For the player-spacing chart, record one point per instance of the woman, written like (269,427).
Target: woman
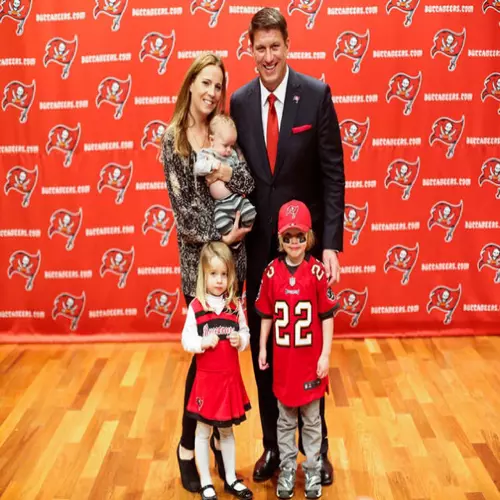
(202,95)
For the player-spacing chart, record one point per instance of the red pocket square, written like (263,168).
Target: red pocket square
(302,128)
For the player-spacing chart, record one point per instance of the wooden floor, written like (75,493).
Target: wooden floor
(408,419)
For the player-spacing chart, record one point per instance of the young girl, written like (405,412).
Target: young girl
(294,294)
(216,330)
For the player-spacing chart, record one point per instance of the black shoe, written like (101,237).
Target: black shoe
(246,494)
(326,470)
(202,492)
(266,466)
(189,473)
(219,462)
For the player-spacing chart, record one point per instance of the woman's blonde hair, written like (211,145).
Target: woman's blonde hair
(222,252)
(180,119)
(310,241)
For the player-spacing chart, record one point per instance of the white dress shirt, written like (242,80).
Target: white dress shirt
(191,341)
(279,104)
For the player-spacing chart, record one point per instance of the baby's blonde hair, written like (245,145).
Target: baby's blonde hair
(222,252)
(310,241)
(218,120)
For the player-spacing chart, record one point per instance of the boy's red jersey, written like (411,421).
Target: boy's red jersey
(297,303)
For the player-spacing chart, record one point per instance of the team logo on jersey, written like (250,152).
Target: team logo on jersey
(406,6)
(450,44)
(402,173)
(69,306)
(65,139)
(354,135)
(448,132)
(113,8)
(492,88)
(490,172)
(20,96)
(491,4)
(114,92)
(117,178)
(490,257)
(159,47)
(308,7)
(354,46)
(447,216)
(26,265)
(244,46)
(160,219)
(402,259)
(23,181)
(352,303)
(446,300)
(61,51)
(405,88)
(66,224)
(17,10)
(117,262)
(162,303)
(355,220)
(212,7)
(153,133)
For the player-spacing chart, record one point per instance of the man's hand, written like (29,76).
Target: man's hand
(221,172)
(332,266)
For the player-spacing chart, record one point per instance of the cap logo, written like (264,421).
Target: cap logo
(292,211)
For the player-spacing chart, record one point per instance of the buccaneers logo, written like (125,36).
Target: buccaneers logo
(69,306)
(353,46)
(244,46)
(490,257)
(354,135)
(117,178)
(446,300)
(492,88)
(159,47)
(405,88)
(447,216)
(353,303)
(118,262)
(112,8)
(162,303)
(212,7)
(65,139)
(115,92)
(66,224)
(448,132)
(403,174)
(308,7)
(19,95)
(355,220)
(17,10)
(61,51)
(23,181)
(403,259)
(490,172)
(26,265)
(406,6)
(160,219)
(153,132)
(491,4)
(450,44)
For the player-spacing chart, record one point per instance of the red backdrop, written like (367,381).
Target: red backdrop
(88,242)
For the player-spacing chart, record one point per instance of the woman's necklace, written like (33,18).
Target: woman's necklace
(194,135)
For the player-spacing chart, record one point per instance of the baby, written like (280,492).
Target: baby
(222,135)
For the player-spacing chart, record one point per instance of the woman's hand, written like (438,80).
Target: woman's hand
(221,172)
(237,233)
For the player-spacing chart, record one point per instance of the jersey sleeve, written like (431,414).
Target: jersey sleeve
(264,302)
(327,304)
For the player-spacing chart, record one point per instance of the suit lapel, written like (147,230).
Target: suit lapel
(291,107)
(255,110)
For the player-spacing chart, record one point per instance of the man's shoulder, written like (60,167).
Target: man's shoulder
(243,91)
(310,83)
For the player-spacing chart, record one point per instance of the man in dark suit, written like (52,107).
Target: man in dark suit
(293,148)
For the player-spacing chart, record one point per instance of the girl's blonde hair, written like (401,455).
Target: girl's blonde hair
(222,252)
(180,119)
(310,241)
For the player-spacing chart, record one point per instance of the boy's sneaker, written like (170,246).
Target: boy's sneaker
(286,483)
(312,484)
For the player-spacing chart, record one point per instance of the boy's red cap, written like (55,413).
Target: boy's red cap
(294,214)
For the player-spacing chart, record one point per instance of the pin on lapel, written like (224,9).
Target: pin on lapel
(296,99)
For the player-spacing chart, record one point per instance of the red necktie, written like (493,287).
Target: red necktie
(272,132)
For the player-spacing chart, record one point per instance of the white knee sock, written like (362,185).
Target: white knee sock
(202,455)
(228,450)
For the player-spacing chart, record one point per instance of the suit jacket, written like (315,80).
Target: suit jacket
(309,165)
